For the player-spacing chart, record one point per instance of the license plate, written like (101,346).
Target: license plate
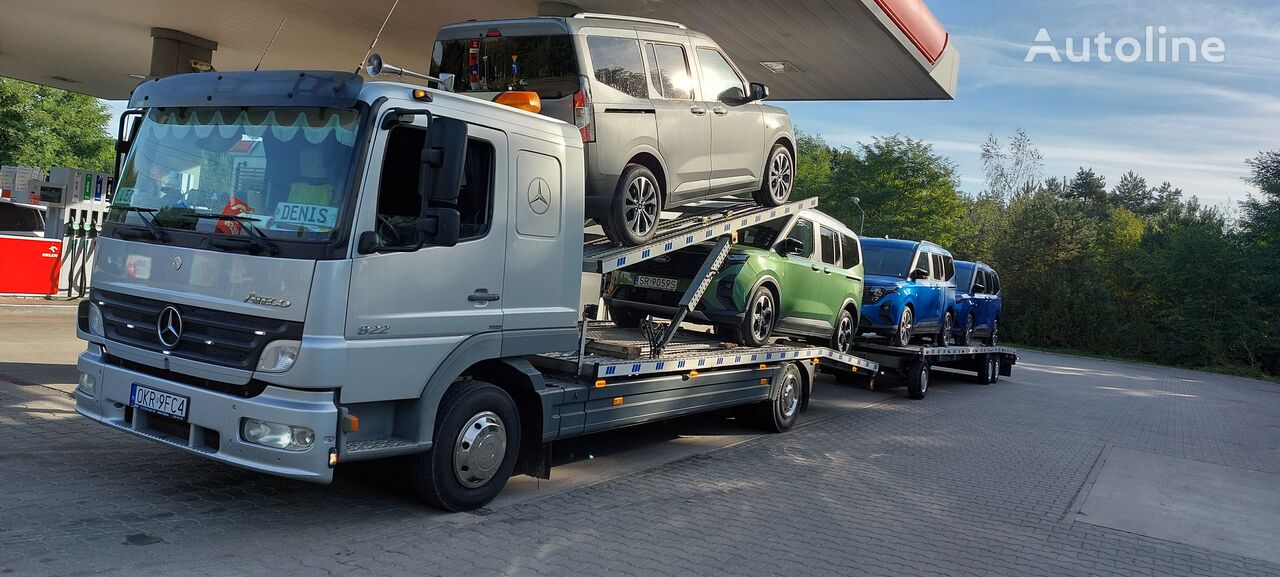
(159,402)
(653,282)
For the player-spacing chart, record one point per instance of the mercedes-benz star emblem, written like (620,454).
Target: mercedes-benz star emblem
(177,262)
(539,196)
(169,327)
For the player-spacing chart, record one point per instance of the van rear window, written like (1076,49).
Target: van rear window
(618,64)
(543,64)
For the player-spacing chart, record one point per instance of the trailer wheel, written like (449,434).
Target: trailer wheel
(477,438)
(996,363)
(918,380)
(781,411)
(989,371)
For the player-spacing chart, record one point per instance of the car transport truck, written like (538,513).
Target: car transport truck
(308,268)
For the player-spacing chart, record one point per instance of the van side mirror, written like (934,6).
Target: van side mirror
(732,96)
(790,246)
(919,273)
(759,91)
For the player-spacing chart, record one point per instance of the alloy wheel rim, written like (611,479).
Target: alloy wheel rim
(762,317)
(780,176)
(789,398)
(844,335)
(948,324)
(480,449)
(904,327)
(968,330)
(641,206)
(924,380)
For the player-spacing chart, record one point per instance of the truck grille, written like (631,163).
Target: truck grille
(209,336)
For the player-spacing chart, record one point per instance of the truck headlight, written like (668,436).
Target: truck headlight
(95,320)
(279,356)
(85,387)
(277,435)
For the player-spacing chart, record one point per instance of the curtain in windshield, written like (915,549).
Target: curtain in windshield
(282,170)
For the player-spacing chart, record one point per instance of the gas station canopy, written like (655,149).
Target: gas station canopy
(803,49)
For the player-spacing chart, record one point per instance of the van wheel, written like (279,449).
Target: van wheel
(902,336)
(779,177)
(762,313)
(637,204)
(846,328)
(966,338)
(782,409)
(625,318)
(477,438)
(995,332)
(918,380)
(947,336)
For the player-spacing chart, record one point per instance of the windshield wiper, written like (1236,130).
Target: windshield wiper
(154,230)
(259,238)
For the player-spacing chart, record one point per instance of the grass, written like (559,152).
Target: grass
(1232,370)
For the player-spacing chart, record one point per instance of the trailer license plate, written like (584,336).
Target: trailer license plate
(160,402)
(653,282)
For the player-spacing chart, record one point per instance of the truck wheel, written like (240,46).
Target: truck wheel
(989,370)
(779,176)
(625,318)
(782,410)
(762,313)
(637,205)
(918,380)
(846,328)
(902,335)
(477,438)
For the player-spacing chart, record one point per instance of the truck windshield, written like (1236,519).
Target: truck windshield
(544,64)
(283,171)
(887,260)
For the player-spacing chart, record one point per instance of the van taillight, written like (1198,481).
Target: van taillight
(582,114)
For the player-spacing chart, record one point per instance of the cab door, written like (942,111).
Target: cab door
(802,278)
(406,311)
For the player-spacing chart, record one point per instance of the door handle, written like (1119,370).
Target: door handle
(826,271)
(697,110)
(815,267)
(483,295)
(720,110)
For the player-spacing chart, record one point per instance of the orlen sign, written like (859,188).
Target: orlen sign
(29,265)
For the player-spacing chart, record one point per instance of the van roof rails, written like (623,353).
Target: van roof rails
(630,19)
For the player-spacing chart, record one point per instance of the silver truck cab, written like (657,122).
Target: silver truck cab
(265,292)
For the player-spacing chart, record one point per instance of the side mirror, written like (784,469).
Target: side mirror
(919,273)
(443,157)
(732,96)
(446,81)
(759,91)
(790,246)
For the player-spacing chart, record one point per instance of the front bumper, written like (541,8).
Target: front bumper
(698,314)
(213,422)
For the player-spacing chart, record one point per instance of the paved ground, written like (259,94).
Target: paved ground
(973,480)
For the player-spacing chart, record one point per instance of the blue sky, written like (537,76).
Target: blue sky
(1190,124)
(1193,124)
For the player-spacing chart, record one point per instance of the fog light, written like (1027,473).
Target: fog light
(86,384)
(277,435)
(95,320)
(278,356)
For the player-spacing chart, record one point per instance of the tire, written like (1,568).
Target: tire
(779,178)
(782,409)
(846,329)
(762,315)
(636,207)
(966,338)
(994,338)
(947,335)
(902,336)
(918,380)
(996,364)
(477,420)
(625,318)
(989,370)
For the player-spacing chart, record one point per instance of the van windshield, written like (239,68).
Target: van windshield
(546,64)
(887,260)
(283,171)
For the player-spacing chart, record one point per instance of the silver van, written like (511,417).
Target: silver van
(666,117)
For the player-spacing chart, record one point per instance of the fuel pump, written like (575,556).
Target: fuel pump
(71,245)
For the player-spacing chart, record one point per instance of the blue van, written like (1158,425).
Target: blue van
(978,303)
(908,291)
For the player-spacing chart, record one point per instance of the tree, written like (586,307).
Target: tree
(1008,173)
(906,189)
(1165,198)
(1089,187)
(1262,214)
(813,166)
(1132,193)
(46,127)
